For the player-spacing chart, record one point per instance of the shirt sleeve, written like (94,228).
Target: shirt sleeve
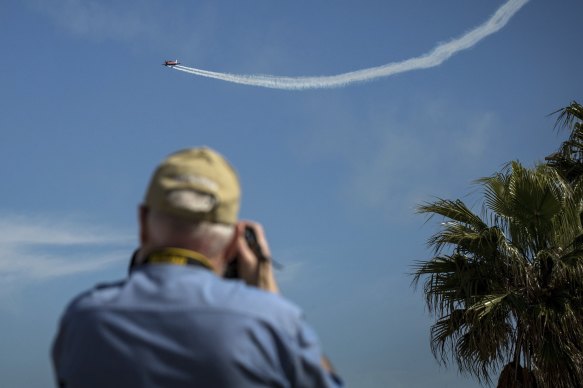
(310,371)
(57,351)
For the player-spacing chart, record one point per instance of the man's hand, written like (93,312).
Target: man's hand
(252,270)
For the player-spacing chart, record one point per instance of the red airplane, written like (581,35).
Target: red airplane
(171,63)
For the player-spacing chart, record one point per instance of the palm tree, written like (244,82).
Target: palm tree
(568,160)
(506,286)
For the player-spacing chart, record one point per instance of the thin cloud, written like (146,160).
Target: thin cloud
(394,156)
(142,22)
(36,248)
(26,230)
(453,148)
(16,265)
(434,58)
(95,19)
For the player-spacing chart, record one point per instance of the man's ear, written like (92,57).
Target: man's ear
(143,220)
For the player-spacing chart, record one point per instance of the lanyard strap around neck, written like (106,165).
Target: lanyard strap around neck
(178,256)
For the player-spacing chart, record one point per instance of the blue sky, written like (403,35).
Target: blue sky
(333,174)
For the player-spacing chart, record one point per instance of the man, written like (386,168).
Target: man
(175,321)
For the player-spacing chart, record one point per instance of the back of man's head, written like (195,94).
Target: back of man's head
(192,201)
(196,184)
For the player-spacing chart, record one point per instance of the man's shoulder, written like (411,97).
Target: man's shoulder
(245,299)
(187,291)
(95,296)
(202,289)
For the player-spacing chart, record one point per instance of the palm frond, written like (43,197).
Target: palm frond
(568,160)
(569,115)
(510,291)
(453,210)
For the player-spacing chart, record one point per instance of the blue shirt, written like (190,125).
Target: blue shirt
(183,326)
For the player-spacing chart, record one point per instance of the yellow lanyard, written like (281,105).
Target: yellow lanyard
(178,256)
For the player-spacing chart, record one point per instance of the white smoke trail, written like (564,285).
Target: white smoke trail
(434,58)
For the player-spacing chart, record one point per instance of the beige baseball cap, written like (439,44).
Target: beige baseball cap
(198,184)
